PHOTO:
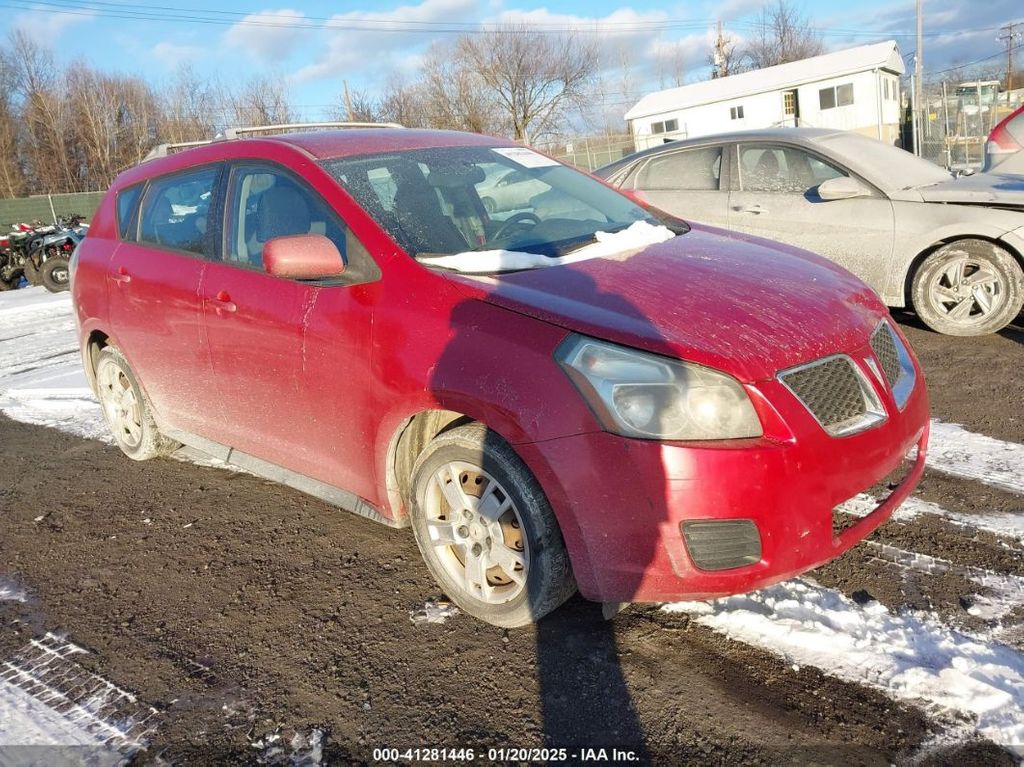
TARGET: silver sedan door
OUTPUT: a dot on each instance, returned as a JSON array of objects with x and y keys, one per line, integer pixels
[
  {"x": 775, "y": 195},
  {"x": 687, "y": 183}
]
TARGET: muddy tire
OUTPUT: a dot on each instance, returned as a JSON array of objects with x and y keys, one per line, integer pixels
[
  {"x": 31, "y": 272},
  {"x": 10, "y": 284},
  {"x": 127, "y": 410},
  {"x": 486, "y": 530},
  {"x": 968, "y": 288},
  {"x": 55, "y": 275}
]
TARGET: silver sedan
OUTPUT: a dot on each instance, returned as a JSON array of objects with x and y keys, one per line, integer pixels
[{"x": 950, "y": 248}]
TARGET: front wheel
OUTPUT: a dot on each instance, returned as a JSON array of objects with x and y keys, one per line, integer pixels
[
  {"x": 968, "y": 288},
  {"x": 55, "y": 275},
  {"x": 126, "y": 409},
  {"x": 486, "y": 530}
]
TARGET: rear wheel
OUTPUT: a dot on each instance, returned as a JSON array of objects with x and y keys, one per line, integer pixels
[
  {"x": 126, "y": 409},
  {"x": 968, "y": 288},
  {"x": 55, "y": 275},
  {"x": 31, "y": 272},
  {"x": 486, "y": 530}
]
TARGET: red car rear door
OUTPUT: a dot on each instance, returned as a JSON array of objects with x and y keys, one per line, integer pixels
[{"x": 155, "y": 311}]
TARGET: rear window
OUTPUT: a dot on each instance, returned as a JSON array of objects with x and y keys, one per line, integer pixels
[
  {"x": 127, "y": 201},
  {"x": 175, "y": 212}
]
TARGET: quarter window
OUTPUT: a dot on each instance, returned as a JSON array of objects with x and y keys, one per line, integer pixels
[
  {"x": 176, "y": 211},
  {"x": 127, "y": 201}
]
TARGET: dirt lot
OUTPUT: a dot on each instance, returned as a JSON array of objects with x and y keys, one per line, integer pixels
[{"x": 238, "y": 608}]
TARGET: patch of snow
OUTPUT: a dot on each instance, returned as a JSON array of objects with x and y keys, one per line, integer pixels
[
  {"x": 1007, "y": 525},
  {"x": 638, "y": 235},
  {"x": 436, "y": 610},
  {"x": 11, "y": 592},
  {"x": 954, "y": 450},
  {"x": 909, "y": 656}
]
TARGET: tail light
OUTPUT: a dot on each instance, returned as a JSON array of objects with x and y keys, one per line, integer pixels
[{"x": 68, "y": 246}]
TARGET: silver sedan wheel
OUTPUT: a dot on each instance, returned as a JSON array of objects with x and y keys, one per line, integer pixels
[
  {"x": 120, "y": 405},
  {"x": 477, "y": 532},
  {"x": 967, "y": 290}
]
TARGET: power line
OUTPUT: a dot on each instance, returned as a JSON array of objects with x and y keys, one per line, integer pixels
[{"x": 976, "y": 61}]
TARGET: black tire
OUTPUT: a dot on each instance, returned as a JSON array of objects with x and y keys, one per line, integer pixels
[
  {"x": 31, "y": 272},
  {"x": 10, "y": 284},
  {"x": 114, "y": 377},
  {"x": 960, "y": 309},
  {"x": 548, "y": 579},
  {"x": 55, "y": 275}
]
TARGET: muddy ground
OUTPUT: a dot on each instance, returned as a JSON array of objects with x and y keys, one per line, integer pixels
[{"x": 238, "y": 607}]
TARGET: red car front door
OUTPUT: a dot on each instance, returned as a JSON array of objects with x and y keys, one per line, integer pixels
[{"x": 281, "y": 386}]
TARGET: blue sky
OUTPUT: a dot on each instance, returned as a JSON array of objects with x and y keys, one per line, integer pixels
[{"x": 315, "y": 46}]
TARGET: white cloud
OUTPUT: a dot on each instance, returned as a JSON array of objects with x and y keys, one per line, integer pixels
[
  {"x": 270, "y": 36},
  {"x": 376, "y": 53},
  {"x": 50, "y": 25}
]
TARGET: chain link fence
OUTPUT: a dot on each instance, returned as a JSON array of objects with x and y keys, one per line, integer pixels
[
  {"x": 957, "y": 117},
  {"x": 590, "y": 152}
]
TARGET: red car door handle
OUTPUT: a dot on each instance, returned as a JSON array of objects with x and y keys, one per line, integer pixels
[
  {"x": 222, "y": 302},
  {"x": 121, "y": 275}
]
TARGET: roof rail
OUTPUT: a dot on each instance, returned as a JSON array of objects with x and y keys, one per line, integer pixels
[
  {"x": 162, "y": 150},
  {"x": 231, "y": 133}
]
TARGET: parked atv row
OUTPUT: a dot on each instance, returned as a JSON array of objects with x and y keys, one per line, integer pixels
[{"x": 40, "y": 253}]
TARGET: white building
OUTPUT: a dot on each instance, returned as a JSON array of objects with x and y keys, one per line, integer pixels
[{"x": 855, "y": 89}]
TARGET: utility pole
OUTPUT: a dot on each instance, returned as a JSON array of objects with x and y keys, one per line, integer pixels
[
  {"x": 348, "y": 101},
  {"x": 917, "y": 78},
  {"x": 721, "y": 70},
  {"x": 1010, "y": 37}
]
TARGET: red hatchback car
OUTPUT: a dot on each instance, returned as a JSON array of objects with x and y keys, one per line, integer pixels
[{"x": 582, "y": 393}]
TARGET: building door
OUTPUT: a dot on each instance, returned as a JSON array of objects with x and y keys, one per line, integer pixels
[{"x": 790, "y": 109}]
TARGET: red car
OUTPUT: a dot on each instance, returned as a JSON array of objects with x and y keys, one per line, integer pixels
[{"x": 584, "y": 393}]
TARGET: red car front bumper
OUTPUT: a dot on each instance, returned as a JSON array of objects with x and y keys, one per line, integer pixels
[{"x": 620, "y": 502}]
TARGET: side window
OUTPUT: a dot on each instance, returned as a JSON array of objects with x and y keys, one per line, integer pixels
[
  {"x": 175, "y": 212},
  {"x": 127, "y": 200},
  {"x": 266, "y": 202},
  {"x": 782, "y": 169},
  {"x": 693, "y": 169}
]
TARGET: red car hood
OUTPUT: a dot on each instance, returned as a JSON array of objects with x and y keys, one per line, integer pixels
[{"x": 739, "y": 304}]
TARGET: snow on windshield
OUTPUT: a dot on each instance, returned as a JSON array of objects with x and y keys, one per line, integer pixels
[{"x": 636, "y": 236}]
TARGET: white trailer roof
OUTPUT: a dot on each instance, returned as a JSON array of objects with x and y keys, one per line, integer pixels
[{"x": 848, "y": 61}]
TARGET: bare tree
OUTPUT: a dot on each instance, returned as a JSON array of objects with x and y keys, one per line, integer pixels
[
  {"x": 782, "y": 34},
  {"x": 261, "y": 101},
  {"x": 455, "y": 95},
  {"x": 11, "y": 179},
  {"x": 363, "y": 108},
  {"x": 192, "y": 108},
  {"x": 403, "y": 104},
  {"x": 725, "y": 59},
  {"x": 534, "y": 77}
]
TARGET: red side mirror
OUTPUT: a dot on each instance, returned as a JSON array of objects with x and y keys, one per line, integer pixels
[{"x": 302, "y": 257}]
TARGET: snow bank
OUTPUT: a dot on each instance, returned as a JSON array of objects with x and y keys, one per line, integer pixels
[
  {"x": 908, "y": 656},
  {"x": 638, "y": 235}
]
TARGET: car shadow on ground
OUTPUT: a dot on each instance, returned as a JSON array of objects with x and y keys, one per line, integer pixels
[{"x": 1012, "y": 332}]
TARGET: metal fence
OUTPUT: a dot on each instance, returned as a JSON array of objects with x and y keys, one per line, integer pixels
[
  {"x": 47, "y": 207},
  {"x": 956, "y": 120},
  {"x": 590, "y": 152}
]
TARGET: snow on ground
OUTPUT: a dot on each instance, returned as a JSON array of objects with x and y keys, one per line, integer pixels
[
  {"x": 1006, "y": 525},
  {"x": 954, "y": 450},
  {"x": 909, "y": 656}
]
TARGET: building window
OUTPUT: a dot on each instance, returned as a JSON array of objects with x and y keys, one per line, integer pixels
[
  {"x": 736, "y": 113},
  {"x": 886, "y": 88},
  {"x": 666, "y": 126},
  {"x": 789, "y": 103},
  {"x": 838, "y": 96}
]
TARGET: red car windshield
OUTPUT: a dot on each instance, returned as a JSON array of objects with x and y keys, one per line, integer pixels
[{"x": 449, "y": 200}]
